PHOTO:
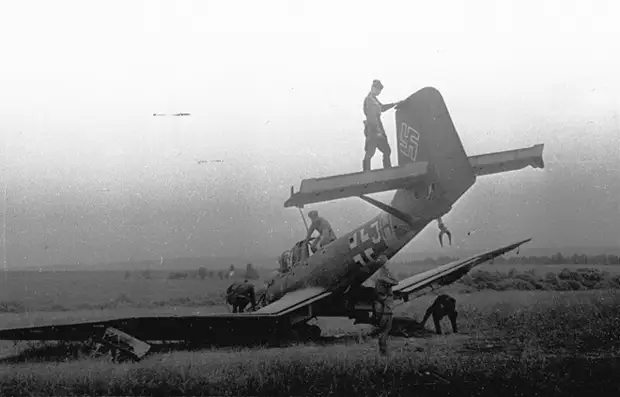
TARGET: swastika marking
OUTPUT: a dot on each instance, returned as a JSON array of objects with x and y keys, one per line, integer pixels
[{"x": 408, "y": 141}]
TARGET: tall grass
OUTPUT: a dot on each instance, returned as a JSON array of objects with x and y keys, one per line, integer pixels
[{"x": 541, "y": 343}]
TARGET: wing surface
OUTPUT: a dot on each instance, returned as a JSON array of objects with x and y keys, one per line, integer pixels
[
  {"x": 170, "y": 327},
  {"x": 212, "y": 326},
  {"x": 449, "y": 273},
  {"x": 294, "y": 300}
]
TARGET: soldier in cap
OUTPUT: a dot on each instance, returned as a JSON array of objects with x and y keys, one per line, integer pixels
[
  {"x": 321, "y": 225},
  {"x": 373, "y": 127},
  {"x": 384, "y": 304}
]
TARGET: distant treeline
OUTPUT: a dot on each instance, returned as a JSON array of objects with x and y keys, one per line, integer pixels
[
  {"x": 250, "y": 273},
  {"x": 555, "y": 259}
]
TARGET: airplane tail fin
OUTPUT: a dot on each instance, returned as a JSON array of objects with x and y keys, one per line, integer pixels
[{"x": 426, "y": 133}]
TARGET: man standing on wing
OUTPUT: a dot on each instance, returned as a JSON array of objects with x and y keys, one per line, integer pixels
[{"x": 373, "y": 127}]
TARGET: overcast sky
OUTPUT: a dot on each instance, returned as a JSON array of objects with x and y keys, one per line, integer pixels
[{"x": 275, "y": 92}]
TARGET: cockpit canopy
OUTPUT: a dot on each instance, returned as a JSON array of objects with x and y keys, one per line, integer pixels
[{"x": 290, "y": 258}]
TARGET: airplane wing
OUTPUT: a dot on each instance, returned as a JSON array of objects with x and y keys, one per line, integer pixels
[
  {"x": 171, "y": 327},
  {"x": 449, "y": 273},
  {"x": 294, "y": 300}
]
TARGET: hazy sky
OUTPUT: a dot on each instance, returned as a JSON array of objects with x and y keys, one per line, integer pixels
[{"x": 275, "y": 91}]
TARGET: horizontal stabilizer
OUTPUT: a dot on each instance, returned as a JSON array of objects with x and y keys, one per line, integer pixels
[
  {"x": 317, "y": 190},
  {"x": 449, "y": 273},
  {"x": 510, "y": 160}
]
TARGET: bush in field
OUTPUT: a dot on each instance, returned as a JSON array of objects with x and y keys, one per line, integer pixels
[
  {"x": 566, "y": 280},
  {"x": 177, "y": 275},
  {"x": 482, "y": 279},
  {"x": 566, "y": 274},
  {"x": 514, "y": 284},
  {"x": 530, "y": 279},
  {"x": 202, "y": 273},
  {"x": 551, "y": 279},
  {"x": 11, "y": 307}
]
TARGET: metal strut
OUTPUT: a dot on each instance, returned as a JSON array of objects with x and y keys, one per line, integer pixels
[
  {"x": 390, "y": 210},
  {"x": 304, "y": 218}
]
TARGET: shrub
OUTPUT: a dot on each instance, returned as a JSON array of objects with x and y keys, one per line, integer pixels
[
  {"x": 552, "y": 278},
  {"x": 11, "y": 307},
  {"x": 177, "y": 275}
]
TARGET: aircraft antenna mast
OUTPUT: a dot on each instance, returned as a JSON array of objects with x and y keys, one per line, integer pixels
[{"x": 304, "y": 218}]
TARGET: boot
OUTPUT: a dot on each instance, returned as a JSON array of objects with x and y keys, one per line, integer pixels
[{"x": 366, "y": 165}]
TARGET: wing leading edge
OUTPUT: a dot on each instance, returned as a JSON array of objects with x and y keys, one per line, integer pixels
[
  {"x": 449, "y": 273},
  {"x": 294, "y": 300}
]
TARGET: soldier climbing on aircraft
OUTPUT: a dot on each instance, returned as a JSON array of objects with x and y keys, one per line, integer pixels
[
  {"x": 384, "y": 304},
  {"x": 373, "y": 127},
  {"x": 444, "y": 305},
  {"x": 326, "y": 233},
  {"x": 238, "y": 295},
  {"x": 443, "y": 230}
]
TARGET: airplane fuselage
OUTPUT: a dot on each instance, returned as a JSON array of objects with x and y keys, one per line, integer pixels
[
  {"x": 425, "y": 133},
  {"x": 351, "y": 259}
]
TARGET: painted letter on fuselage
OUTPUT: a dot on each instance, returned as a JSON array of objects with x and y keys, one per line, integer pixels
[{"x": 367, "y": 243}]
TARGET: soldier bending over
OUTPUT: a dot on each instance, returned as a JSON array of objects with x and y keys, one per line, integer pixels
[
  {"x": 239, "y": 295},
  {"x": 444, "y": 305}
]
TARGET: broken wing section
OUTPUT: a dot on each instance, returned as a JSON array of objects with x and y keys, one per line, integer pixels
[
  {"x": 294, "y": 300},
  {"x": 449, "y": 273}
]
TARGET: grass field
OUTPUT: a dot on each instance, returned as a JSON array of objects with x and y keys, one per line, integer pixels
[{"x": 510, "y": 342}]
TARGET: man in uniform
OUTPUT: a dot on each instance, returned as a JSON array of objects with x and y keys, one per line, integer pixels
[
  {"x": 384, "y": 304},
  {"x": 373, "y": 127},
  {"x": 444, "y": 305},
  {"x": 443, "y": 230},
  {"x": 326, "y": 233},
  {"x": 239, "y": 295}
]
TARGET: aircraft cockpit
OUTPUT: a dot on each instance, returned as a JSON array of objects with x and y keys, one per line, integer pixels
[{"x": 296, "y": 255}]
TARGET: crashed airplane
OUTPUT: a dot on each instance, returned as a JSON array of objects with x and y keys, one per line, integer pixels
[{"x": 433, "y": 172}]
